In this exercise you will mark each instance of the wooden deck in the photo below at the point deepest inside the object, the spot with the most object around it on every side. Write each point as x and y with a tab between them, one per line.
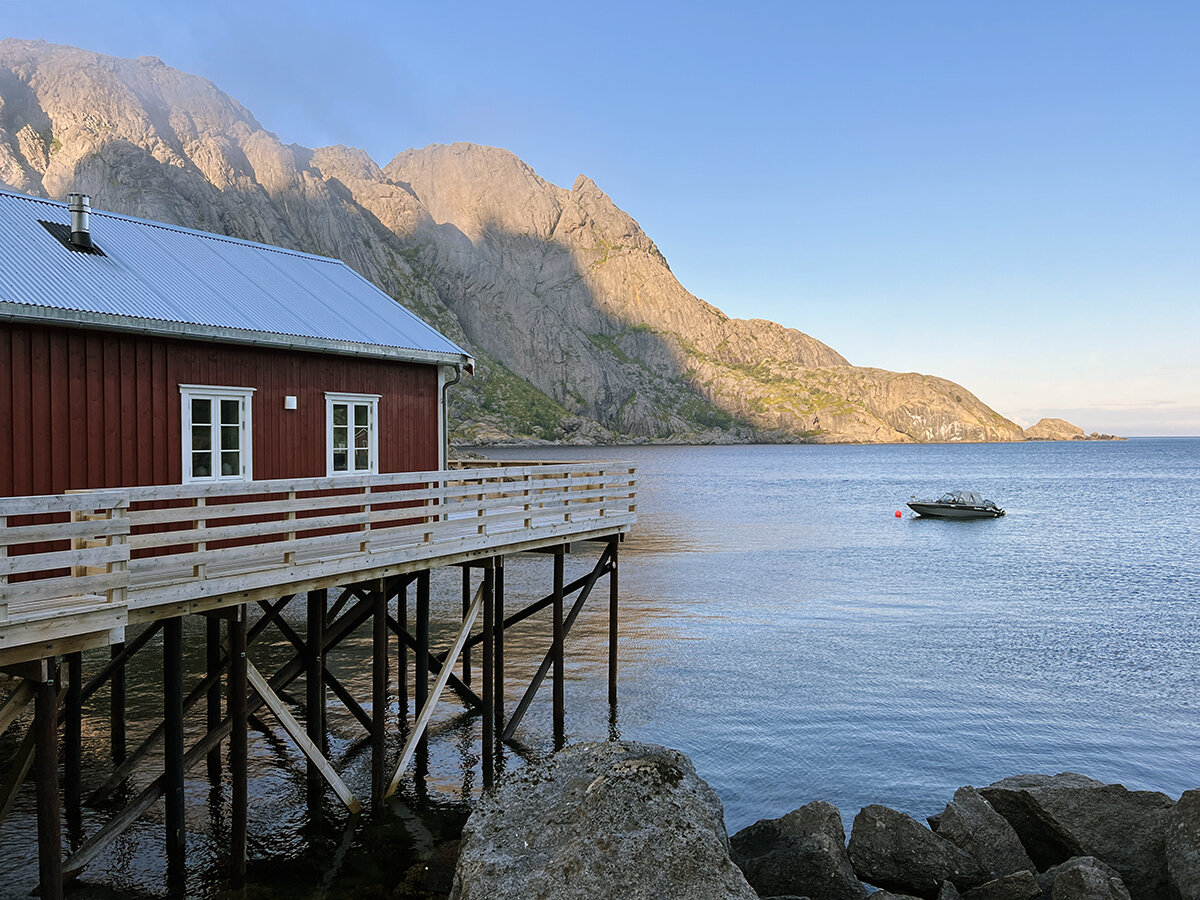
76	568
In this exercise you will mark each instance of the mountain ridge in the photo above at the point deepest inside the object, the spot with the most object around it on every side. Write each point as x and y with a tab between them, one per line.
581	330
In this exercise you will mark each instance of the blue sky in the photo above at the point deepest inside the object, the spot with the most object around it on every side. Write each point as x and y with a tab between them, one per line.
1003	194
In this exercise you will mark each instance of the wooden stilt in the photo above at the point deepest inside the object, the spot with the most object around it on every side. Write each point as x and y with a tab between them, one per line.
173	746
213	665
402	651
236	700
49	825
116	703
379	685
314	690
485	676
466	605
557	649
498	628
73	744
421	663
612	622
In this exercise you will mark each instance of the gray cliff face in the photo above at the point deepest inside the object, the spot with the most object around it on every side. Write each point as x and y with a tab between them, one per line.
555	288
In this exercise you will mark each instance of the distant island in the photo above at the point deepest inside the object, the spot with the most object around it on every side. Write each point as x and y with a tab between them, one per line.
1062	430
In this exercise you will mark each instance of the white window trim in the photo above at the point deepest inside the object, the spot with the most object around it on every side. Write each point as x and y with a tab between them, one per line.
372	438
217	392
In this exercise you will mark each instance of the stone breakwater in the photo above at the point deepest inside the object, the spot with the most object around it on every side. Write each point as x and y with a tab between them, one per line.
631	821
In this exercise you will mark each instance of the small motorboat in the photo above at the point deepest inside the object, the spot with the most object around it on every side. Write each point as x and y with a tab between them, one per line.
957	505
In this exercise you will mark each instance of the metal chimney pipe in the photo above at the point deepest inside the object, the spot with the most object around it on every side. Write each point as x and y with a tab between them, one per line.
81	224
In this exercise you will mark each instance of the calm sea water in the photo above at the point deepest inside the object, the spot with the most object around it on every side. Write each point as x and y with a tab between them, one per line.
796	639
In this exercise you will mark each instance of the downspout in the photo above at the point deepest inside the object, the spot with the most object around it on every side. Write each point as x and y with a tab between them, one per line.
446	385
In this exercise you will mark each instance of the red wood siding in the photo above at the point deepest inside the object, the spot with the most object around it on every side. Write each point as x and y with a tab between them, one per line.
83	409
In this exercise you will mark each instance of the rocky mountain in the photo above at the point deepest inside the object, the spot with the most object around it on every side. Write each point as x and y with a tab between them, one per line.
581	330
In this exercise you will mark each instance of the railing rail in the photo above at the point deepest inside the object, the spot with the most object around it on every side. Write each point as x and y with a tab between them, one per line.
169	543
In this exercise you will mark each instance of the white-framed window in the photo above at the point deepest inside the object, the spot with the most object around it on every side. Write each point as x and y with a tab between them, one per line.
216	432
352	438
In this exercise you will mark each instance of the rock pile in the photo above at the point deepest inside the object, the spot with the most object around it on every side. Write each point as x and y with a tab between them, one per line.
626	820
1029	837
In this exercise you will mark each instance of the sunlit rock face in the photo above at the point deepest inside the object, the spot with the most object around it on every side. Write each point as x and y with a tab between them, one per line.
581	330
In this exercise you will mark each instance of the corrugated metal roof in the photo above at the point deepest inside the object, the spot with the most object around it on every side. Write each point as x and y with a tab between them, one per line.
214	285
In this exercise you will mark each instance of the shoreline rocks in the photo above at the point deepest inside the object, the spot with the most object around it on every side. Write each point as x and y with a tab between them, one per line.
628	820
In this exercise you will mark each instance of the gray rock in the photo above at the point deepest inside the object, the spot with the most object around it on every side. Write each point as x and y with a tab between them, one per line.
896	852
1082	878
803	852
1046	879
1015	886
595	819
888	895
1067	815
948	892
971	823
1183	847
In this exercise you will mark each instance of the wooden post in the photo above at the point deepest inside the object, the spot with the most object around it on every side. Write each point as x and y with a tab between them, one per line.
212	654
73	744
485	677
236	700
612	621
402	652
173	746
314	690
421	664
49	824
498	628
379	685
116	706
466	605
557	650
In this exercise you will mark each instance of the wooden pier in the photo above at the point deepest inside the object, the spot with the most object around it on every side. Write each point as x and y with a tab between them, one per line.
113	568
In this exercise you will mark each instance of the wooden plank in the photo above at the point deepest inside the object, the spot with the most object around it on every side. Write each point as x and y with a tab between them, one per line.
63	587
246	530
410	747
58	646
62	559
16	702
41	504
62	531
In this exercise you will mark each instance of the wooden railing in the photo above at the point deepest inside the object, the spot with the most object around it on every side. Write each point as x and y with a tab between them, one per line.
169	544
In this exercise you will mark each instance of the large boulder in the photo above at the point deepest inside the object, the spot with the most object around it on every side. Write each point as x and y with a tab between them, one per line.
608	819
970	822
801	853
1183	847
1082	878
896	852
1062	816
1016	886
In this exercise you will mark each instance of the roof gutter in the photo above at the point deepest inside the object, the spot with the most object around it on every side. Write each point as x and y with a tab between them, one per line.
71	318
458	373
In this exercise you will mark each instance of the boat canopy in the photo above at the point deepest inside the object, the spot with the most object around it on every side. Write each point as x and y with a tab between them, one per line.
965	498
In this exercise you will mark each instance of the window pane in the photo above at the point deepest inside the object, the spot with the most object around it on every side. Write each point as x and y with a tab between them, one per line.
201	465
361	411
201	411
360	438
231	412
201	437
361	464
231	463
340	460
339	414
340	437
231	437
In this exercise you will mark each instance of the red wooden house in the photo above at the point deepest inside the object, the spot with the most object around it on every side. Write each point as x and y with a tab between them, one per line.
136	353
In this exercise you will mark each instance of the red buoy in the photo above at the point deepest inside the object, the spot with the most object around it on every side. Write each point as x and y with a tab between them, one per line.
898	514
